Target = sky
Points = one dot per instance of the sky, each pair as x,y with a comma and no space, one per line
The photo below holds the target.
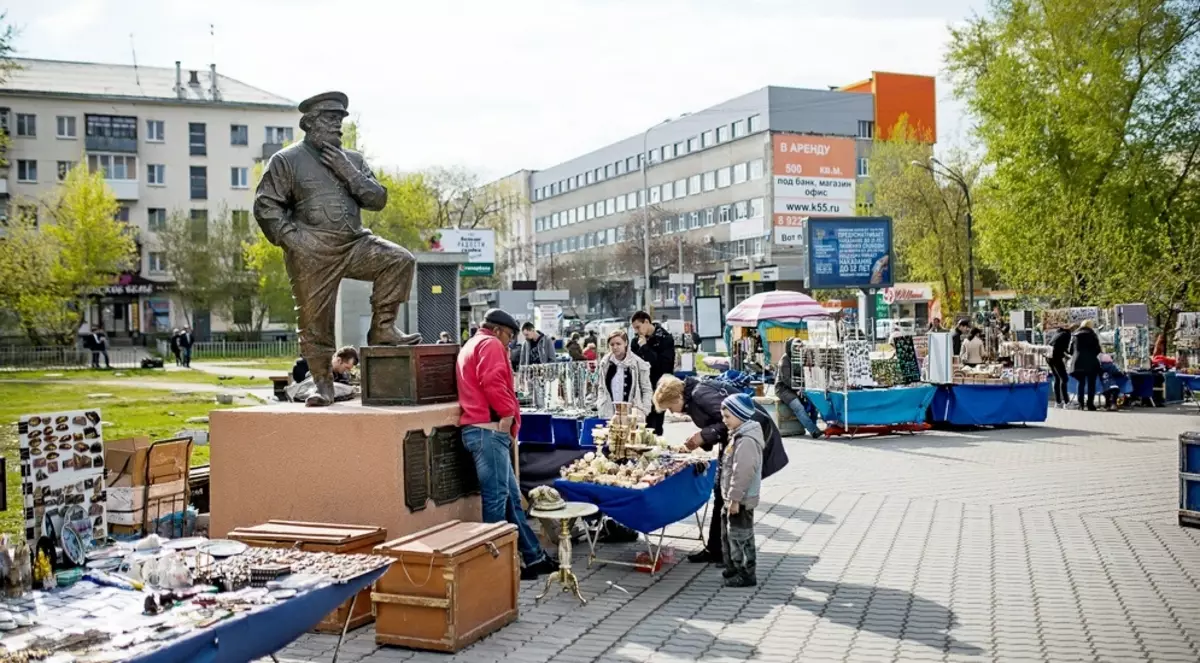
500,86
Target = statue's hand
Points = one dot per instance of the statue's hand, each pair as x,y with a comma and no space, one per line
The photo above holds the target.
336,160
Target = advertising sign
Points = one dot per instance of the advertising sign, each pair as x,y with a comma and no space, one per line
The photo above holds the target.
813,176
478,244
850,252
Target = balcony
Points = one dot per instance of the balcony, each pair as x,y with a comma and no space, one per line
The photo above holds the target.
124,189
111,144
269,149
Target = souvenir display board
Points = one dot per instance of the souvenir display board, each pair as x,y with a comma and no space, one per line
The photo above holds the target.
1065,317
62,474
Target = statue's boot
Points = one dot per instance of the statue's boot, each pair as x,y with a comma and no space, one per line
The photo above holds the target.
384,332
322,375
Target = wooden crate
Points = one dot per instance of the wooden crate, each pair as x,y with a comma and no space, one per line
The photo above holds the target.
450,585
409,375
320,537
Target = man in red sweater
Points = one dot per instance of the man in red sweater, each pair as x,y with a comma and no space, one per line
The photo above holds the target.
490,419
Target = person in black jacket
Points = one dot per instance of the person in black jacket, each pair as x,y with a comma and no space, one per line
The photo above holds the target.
656,346
960,332
701,400
1085,362
344,361
175,350
1060,345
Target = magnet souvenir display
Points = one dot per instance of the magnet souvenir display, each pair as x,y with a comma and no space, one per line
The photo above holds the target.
62,470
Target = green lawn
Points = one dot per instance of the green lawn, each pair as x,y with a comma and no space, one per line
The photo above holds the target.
274,365
131,412
140,375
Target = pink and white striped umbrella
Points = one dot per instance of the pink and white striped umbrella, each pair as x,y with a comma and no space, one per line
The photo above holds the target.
780,305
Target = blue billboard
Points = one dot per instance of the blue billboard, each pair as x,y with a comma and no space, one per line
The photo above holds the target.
850,252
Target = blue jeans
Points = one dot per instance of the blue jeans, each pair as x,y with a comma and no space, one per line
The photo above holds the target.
499,492
797,407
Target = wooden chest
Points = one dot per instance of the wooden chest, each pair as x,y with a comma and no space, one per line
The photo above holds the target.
411,375
320,537
451,585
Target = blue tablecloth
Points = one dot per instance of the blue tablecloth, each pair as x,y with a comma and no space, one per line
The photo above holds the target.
991,404
1190,381
874,407
1143,383
1123,382
253,635
647,509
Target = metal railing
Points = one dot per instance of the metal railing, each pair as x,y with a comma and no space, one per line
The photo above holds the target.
236,349
66,358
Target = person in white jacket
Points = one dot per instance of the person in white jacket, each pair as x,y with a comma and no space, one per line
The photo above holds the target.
624,377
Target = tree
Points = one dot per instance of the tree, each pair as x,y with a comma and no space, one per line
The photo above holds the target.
664,248
462,201
207,260
929,213
27,258
1090,117
8,35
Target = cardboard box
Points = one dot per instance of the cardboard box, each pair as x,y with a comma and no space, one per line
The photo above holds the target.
128,462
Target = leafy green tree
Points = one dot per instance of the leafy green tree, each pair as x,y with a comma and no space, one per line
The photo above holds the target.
1089,114
206,259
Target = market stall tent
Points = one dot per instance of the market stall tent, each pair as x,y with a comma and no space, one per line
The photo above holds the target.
776,315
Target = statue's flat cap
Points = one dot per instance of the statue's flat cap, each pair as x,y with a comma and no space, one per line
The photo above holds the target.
334,101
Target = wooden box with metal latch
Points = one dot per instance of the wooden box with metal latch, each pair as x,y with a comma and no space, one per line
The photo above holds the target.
321,537
409,375
450,585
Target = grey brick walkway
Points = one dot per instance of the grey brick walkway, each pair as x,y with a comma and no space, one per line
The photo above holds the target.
1053,543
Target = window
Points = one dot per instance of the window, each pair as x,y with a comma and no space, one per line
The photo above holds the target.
199,225
862,167
122,214
241,221
608,170
619,168
610,206
668,192
66,126
694,220
692,145
669,226
239,134
155,131
115,130
694,184
239,177
668,152
739,210
710,218
723,214
756,169
631,200
156,219
589,212
600,237
278,135
590,177
621,233
678,150
114,166
710,180
26,170
756,207
537,195
580,215
620,204
866,129
197,139
64,167
26,125
722,133
655,155
611,235
739,128
538,224
156,174
599,174
157,262
655,195
739,173
198,178
755,122
562,185
723,178
630,165
706,139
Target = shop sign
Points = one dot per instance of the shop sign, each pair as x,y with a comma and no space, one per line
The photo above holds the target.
130,289
907,292
478,244
770,273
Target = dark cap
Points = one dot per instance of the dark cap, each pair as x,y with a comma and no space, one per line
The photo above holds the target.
501,317
326,101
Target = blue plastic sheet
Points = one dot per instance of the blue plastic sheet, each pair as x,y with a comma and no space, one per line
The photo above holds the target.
991,404
253,635
1190,381
874,407
1123,382
647,509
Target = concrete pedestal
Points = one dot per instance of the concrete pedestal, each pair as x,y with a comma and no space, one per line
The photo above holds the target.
340,464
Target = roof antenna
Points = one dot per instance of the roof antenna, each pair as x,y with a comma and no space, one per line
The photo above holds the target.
136,77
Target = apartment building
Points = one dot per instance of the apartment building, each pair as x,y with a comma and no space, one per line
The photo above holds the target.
168,140
732,182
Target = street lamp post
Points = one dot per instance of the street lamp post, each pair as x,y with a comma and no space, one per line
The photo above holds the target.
939,168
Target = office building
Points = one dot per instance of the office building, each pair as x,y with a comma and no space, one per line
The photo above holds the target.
169,140
729,185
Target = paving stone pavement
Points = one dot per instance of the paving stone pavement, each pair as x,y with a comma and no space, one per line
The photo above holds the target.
1047,543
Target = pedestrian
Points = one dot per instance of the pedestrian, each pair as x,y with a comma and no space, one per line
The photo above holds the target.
98,344
444,338
1085,363
741,479
961,330
186,340
490,420
655,345
1060,344
536,347
972,348
344,361
1110,381
935,326
796,402
589,353
573,347
175,350
624,378
701,400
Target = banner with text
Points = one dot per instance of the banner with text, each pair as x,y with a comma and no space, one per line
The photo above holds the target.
814,176
478,244
850,252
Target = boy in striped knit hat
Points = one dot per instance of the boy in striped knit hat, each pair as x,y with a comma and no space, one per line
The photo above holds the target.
741,477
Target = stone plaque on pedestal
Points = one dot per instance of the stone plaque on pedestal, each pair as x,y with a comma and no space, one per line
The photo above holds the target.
408,375
451,466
